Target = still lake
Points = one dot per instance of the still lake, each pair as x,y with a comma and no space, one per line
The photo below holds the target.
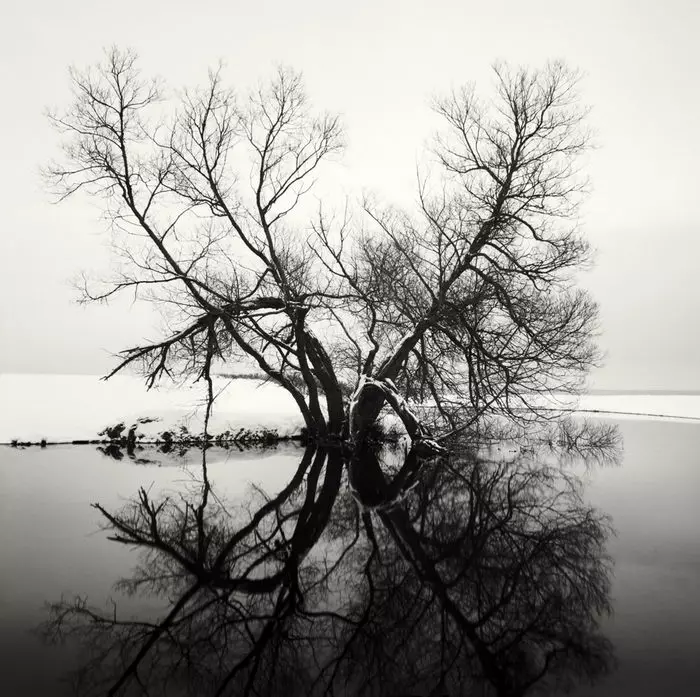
51,545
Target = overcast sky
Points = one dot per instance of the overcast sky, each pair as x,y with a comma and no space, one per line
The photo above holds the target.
377,63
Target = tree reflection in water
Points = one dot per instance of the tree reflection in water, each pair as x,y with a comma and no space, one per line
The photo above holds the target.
364,576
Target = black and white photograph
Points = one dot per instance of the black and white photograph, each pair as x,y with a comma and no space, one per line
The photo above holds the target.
350,349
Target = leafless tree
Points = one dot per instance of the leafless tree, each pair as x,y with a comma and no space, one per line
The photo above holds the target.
466,303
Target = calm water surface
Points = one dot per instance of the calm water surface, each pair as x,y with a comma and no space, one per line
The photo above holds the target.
654,500
51,544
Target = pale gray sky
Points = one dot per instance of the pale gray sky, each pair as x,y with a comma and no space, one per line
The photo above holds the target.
378,63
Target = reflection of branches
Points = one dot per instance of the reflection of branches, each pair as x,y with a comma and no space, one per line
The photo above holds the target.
449,573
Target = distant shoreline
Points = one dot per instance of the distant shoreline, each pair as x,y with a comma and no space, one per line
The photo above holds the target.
639,393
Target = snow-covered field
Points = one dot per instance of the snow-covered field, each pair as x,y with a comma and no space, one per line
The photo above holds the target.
672,407
71,407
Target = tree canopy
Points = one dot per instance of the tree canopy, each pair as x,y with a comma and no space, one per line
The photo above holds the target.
462,307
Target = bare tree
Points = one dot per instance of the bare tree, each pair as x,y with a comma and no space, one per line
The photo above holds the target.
466,303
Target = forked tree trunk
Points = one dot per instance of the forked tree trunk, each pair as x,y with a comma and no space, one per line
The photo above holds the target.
375,391
365,413
364,409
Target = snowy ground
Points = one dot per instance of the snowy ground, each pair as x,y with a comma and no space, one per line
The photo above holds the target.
670,407
71,407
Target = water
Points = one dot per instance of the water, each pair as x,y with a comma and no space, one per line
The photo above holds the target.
654,500
51,544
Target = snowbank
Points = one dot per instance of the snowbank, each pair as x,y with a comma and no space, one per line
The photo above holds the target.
71,407
622,407
644,406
